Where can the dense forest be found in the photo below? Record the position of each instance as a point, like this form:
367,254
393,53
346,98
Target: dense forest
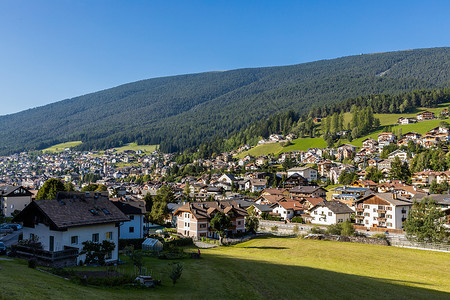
184,111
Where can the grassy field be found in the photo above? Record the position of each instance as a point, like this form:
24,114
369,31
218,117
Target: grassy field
62,146
276,148
135,147
265,268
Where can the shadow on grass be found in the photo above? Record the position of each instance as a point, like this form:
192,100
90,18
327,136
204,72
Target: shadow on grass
261,279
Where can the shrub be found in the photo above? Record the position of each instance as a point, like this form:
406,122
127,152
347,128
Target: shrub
347,228
297,219
317,230
381,236
334,229
32,263
136,243
176,271
274,228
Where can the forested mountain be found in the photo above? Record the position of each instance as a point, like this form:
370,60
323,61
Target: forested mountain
183,111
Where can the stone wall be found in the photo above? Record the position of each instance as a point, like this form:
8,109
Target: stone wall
351,239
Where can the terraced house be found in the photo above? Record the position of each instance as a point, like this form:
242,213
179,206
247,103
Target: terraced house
193,218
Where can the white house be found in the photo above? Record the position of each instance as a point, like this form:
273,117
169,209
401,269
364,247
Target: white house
71,219
330,212
135,211
13,198
306,172
382,210
287,209
402,155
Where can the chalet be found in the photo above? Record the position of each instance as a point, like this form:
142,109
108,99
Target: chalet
13,198
261,160
405,121
386,210
63,224
258,209
402,155
442,201
193,218
275,191
385,138
306,172
424,177
308,191
287,209
324,167
256,185
330,212
384,164
295,180
426,115
345,151
310,202
369,143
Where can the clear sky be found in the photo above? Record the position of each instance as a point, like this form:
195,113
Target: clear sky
53,50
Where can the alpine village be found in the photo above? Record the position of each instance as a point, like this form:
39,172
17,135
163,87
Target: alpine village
328,194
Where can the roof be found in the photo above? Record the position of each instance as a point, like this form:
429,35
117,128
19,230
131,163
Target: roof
439,198
391,198
74,209
263,207
336,207
305,189
274,191
131,207
206,210
7,190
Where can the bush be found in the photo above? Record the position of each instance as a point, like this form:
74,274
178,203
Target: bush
297,219
274,228
179,242
32,263
347,228
381,236
175,274
317,230
136,243
334,229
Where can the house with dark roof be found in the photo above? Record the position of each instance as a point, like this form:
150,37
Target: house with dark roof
330,212
193,218
135,211
13,198
68,221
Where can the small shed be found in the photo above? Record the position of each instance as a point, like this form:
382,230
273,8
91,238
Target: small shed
152,245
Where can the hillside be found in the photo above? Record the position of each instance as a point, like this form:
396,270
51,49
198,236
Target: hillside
182,111
264,268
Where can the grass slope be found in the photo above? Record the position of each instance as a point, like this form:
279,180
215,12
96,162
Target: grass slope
270,268
302,144
62,146
136,147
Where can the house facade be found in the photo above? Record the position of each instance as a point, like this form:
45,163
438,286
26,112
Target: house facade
135,211
330,212
382,210
193,219
71,219
13,198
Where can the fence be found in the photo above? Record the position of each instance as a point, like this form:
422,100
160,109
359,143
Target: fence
405,243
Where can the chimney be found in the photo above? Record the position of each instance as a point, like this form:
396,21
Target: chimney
394,196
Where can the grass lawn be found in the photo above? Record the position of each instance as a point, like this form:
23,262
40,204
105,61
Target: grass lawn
270,268
133,146
62,146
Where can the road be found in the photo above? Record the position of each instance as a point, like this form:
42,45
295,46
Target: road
11,239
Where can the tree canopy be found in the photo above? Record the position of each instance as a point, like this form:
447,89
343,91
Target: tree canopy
50,188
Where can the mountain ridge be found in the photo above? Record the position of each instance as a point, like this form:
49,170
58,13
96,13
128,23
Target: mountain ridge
181,111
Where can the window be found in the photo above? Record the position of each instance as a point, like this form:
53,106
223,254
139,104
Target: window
374,218
389,224
74,240
131,229
366,206
330,214
131,217
202,225
108,255
367,221
374,210
389,216
109,235
315,212
239,222
366,215
95,237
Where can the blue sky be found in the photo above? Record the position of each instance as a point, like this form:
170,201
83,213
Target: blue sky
53,50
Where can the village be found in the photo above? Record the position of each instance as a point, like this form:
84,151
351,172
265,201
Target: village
112,194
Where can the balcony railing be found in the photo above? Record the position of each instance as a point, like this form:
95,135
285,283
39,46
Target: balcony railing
381,219
381,211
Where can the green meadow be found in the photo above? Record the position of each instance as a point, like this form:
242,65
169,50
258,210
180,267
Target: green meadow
263,268
62,146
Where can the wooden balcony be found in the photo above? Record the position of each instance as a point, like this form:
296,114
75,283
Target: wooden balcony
383,219
359,216
381,211
359,208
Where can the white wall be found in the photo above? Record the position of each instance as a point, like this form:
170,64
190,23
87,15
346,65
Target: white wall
138,227
63,238
10,204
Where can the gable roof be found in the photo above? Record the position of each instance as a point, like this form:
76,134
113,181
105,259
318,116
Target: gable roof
391,198
336,207
8,190
78,210
131,207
